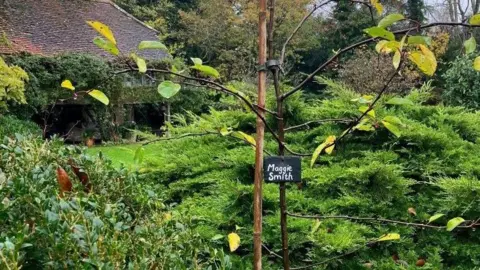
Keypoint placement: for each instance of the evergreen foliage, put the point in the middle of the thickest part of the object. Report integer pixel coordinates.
(432, 167)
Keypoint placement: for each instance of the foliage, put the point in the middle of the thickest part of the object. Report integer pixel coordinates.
(46, 74)
(432, 167)
(12, 84)
(462, 83)
(9, 125)
(122, 223)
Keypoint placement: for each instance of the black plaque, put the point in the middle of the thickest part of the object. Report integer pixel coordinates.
(282, 169)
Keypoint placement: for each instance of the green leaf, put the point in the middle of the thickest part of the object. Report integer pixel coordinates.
(390, 19)
(392, 128)
(207, 70)
(99, 95)
(224, 131)
(364, 125)
(197, 61)
(435, 217)
(475, 19)
(217, 237)
(476, 64)
(68, 85)
(139, 155)
(379, 32)
(394, 120)
(416, 40)
(425, 60)
(370, 113)
(396, 59)
(141, 64)
(106, 45)
(168, 89)
(152, 45)
(399, 101)
(454, 222)
(104, 30)
(390, 237)
(365, 99)
(470, 45)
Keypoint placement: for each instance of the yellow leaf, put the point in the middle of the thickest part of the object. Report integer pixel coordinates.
(390, 237)
(103, 29)
(68, 85)
(316, 153)
(99, 95)
(376, 4)
(233, 241)
(330, 141)
(425, 60)
(396, 59)
(167, 216)
(244, 136)
(476, 64)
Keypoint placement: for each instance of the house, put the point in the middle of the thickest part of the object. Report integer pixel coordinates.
(51, 27)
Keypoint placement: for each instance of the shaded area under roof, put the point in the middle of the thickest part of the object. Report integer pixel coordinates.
(49, 27)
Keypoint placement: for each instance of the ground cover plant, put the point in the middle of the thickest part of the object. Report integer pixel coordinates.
(431, 169)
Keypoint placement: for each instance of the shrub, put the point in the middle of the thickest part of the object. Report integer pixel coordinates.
(462, 83)
(9, 125)
(432, 167)
(122, 223)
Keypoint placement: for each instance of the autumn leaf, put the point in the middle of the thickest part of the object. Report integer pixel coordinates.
(68, 85)
(103, 30)
(63, 181)
(412, 211)
(390, 237)
(233, 241)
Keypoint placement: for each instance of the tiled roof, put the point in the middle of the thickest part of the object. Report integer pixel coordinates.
(51, 27)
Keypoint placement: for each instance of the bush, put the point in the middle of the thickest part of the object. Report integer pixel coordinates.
(10, 125)
(123, 223)
(432, 167)
(462, 83)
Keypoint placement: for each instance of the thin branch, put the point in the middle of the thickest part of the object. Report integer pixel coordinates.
(322, 121)
(271, 252)
(471, 223)
(366, 41)
(199, 135)
(218, 87)
(371, 106)
(302, 22)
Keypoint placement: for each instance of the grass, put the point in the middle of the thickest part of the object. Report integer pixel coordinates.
(119, 154)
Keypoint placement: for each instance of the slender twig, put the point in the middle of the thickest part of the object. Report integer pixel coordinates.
(471, 223)
(218, 87)
(299, 26)
(199, 135)
(271, 252)
(321, 121)
(366, 41)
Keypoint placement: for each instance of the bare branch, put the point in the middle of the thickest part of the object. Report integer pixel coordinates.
(322, 121)
(302, 22)
(472, 223)
(206, 133)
